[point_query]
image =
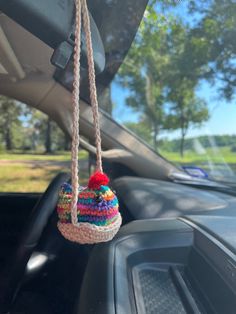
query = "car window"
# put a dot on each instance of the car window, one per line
(33, 149)
(176, 87)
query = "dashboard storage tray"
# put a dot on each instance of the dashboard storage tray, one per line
(160, 266)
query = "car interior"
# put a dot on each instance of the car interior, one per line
(176, 249)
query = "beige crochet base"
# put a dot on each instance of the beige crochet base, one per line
(86, 233)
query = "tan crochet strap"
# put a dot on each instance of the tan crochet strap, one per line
(81, 9)
(75, 114)
(92, 83)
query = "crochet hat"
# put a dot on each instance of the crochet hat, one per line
(97, 212)
(98, 204)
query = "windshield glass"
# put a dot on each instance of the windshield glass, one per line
(176, 87)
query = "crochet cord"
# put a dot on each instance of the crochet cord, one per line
(81, 9)
(92, 84)
(75, 122)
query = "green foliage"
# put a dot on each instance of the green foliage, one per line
(212, 44)
(25, 128)
(161, 84)
(219, 141)
(10, 124)
(43, 133)
(145, 70)
(170, 57)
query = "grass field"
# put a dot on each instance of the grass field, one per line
(219, 164)
(60, 156)
(223, 154)
(33, 172)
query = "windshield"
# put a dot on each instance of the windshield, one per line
(176, 87)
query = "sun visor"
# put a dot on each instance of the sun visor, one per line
(53, 22)
(113, 24)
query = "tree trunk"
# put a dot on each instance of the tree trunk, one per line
(8, 139)
(183, 132)
(182, 145)
(182, 141)
(67, 142)
(8, 133)
(48, 140)
(155, 134)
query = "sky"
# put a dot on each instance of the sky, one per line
(222, 114)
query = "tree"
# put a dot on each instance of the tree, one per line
(145, 70)
(161, 86)
(10, 111)
(169, 58)
(23, 127)
(43, 133)
(187, 110)
(212, 43)
(48, 136)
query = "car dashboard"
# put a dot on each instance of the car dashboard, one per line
(184, 264)
(162, 266)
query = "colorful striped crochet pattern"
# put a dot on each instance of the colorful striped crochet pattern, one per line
(97, 204)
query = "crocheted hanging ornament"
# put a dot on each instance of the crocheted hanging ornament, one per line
(86, 214)
(97, 212)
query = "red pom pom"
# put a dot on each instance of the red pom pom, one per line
(97, 179)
